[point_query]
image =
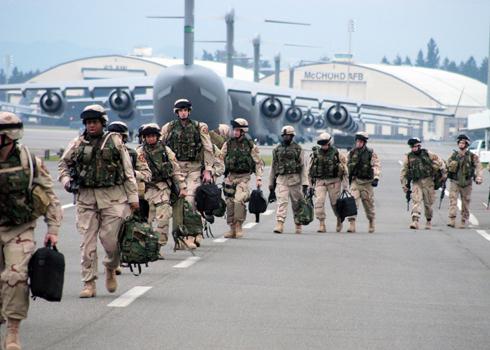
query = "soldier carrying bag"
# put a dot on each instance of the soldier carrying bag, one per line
(46, 272)
(305, 212)
(186, 222)
(346, 205)
(257, 204)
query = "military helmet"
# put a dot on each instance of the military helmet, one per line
(119, 127)
(240, 123)
(362, 135)
(463, 137)
(324, 138)
(223, 129)
(150, 129)
(288, 130)
(92, 112)
(181, 104)
(11, 125)
(413, 141)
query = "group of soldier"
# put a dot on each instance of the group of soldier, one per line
(110, 181)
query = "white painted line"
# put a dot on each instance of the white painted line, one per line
(66, 206)
(484, 204)
(249, 224)
(473, 220)
(484, 234)
(187, 262)
(268, 212)
(220, 240)
(400, 162)
(130, 296)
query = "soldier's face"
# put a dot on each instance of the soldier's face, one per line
(360, 143)
(151, 139)
(183, 113)
(416, 148)
(325, 146)
(94, 126)
(237, 133)
(462, 144)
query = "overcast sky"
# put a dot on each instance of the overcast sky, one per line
(41, 33)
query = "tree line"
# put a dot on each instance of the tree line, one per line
(432, 59)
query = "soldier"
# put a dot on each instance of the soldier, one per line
(98, 163)
(241, 157)
(164, 170)
(190, 142)
(287, 177)
(364, 171)
(327, 173)
(218, 138)
(420, 167)
(26, 192)
(463, 167)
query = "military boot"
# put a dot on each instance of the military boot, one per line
(463, 224)
(110, 280)
(338, 228)
(452, 222)
(415, 223)
(428, 224)
(118, 271)
(238, 230)
(298, 229)
(231, 232)
(12, 340)
(88, 290)
(352, 226)
(371, 226)
(190, 242)
(279, 227)
(322, 228)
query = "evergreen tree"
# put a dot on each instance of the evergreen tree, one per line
(384, 60)
(207, 56)
(420, 62)
(433, 58)
(470, 68)
(408, 61)
(484, 71)
(398, 61)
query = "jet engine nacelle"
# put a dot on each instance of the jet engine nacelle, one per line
(122, 102)
(337, 116)
(271, 107)
(293, 114)
(320, 123)
(308, 119)
(52, 102)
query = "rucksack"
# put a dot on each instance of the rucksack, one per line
(186, 222)
(208, 197)
(46, 272)
(257, 203)
(346, 205)
(304, 214)
(138, 243)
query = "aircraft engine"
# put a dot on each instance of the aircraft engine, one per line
(52, 103)
(308, 119)
(337, 116)
(122, 102)
(271, 107)
(320, 123)
(293, 114)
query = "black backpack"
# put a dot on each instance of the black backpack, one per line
(208, 198)
(257, 204)
(46, 272)
(346, 205)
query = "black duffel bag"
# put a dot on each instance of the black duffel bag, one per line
(208, 198)
(46, 272)
(257, 203)
(346, 205)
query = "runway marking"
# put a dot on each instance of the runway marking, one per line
(220, 240)
(484, 234)
(187, 262)
(249, 224)
(473, 220)
(130, 296)
(268, 212)
(66, 206)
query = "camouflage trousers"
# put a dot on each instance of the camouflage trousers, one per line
(160, 210)
(362, 191)
(236, 210)
(105, 224)
(423, 193)
(192, 175)
(17, 246)
(465, 192)
(322, 189)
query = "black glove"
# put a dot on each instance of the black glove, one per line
(272, 197)
(311, 192)
(375, 183)
(305, 190)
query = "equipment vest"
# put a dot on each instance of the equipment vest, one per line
(419, 165)
(360, 163)
(325, 164)
(185, 141)
(287, 159)
(461, 169)
(157, 159)
(99, 164)
(16, 176)
(238, 158)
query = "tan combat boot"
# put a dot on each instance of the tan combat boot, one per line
(231, 233)
(190, 242)
(463, 224)
(452, 222)
(371, 226)
(279, 227)
(428, 224)
(110, 280)
(322, 228)
(352, 226)
(415, 223)
(298, 229)
(88, 290)
(238, 230)
(12, 340)
(338, 228)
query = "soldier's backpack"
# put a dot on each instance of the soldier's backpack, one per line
(138, 243)
(257, 203)
(46, 272)
(208, 198)
(186, 222)
(304, 214)
(346, 205)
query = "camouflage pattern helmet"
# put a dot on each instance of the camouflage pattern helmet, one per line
(324, 138)
(95, 111)
(11, 125)
(288, 130)
(362, 135)
(181, 104)
(240, 123)
(119, 127)
(413, 141)
(463, 137)
(150, 129)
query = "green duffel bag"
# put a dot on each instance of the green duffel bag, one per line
(185, 220)
(138, 243)
(304, 214)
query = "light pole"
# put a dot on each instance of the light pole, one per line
(350, 29)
